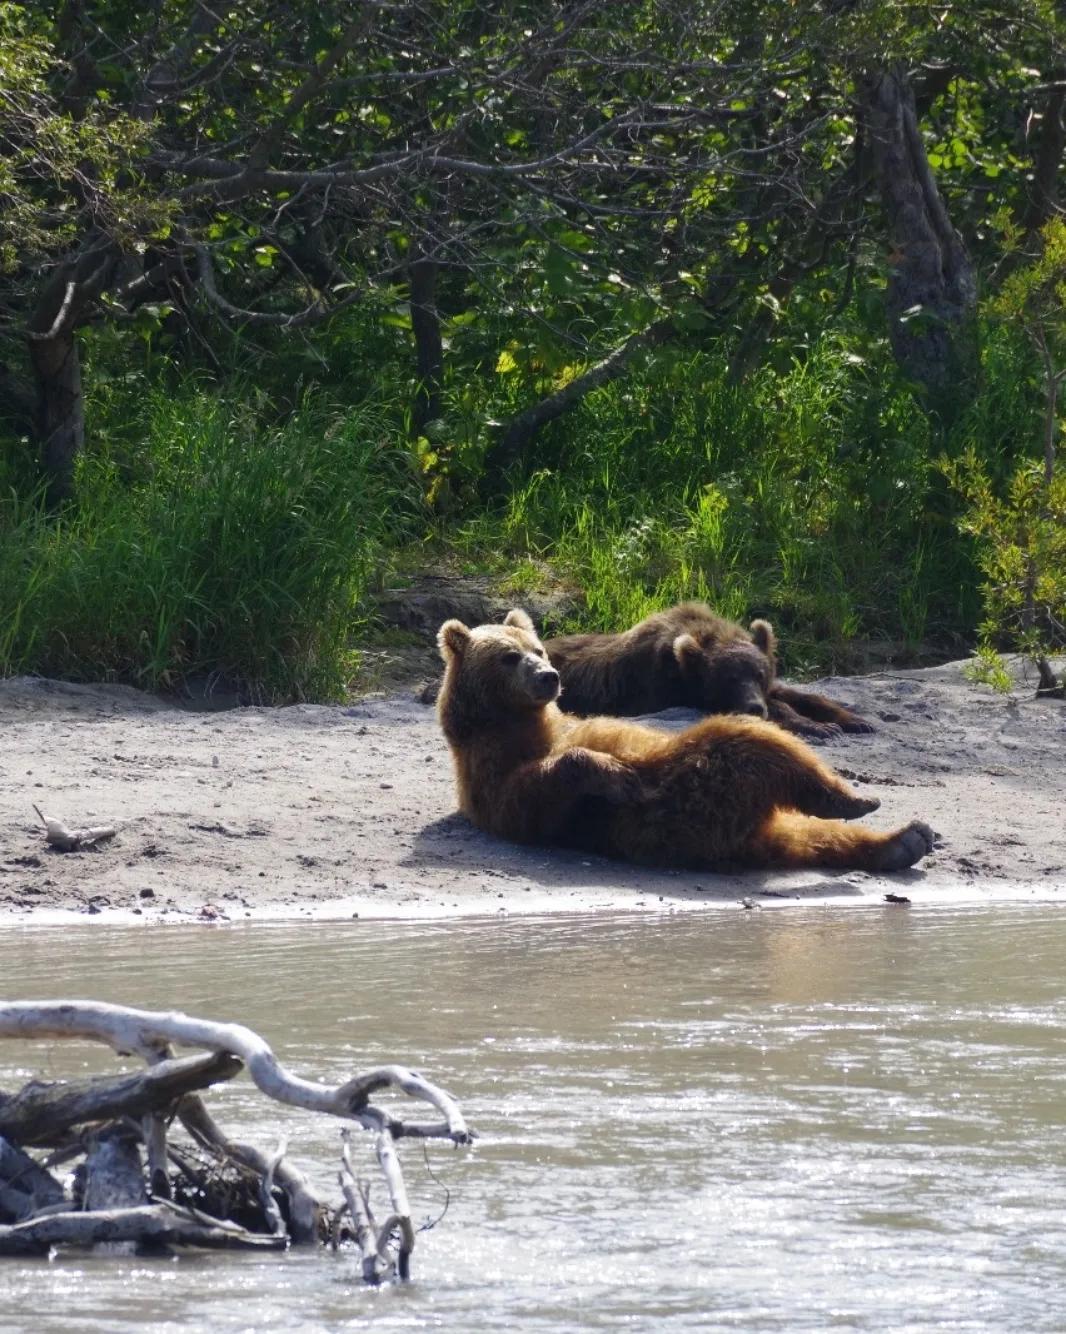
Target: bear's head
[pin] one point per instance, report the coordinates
(495, 669)
(734, 676)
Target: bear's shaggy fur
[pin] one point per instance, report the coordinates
(727, 789)
(688, 656)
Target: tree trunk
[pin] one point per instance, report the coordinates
(429, 347)
(60, 416)
(521, 429)
(1043, 201)
(931, 297)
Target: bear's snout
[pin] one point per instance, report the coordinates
(754, 705)
(546, 683)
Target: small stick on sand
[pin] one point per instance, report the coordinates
(58, 836)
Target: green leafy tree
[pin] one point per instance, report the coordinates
(1022, 532)
(550, 189)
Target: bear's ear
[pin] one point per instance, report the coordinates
(520, 620)
(452, 639)
(762, 632)
(685, 647)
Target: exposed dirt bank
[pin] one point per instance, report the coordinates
(340, 811)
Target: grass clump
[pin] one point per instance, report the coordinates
(229, 543)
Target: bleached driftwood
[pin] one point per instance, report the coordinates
(161, 1223)
(149, 1034)
(373, 1239)
(358, 1205)
(271, 1212)
(154, 1133)
(52, 1114)
(57, 835)
(114, 1173)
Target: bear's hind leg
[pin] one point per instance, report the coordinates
(791, 840)
(791, 775)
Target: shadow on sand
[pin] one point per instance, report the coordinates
(454, 843)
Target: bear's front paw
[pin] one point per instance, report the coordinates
(593, 773)
(816, 733)
(617, 781)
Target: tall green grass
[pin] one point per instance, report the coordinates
(810, 492)
(224, 541)
(239, 526)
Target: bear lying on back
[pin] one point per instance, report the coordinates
(690, 657)
(727, 789)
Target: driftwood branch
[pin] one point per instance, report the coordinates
(149, 1033)
(306, 1210)
(400, 1218)
(154, 1132)
(374, 1240)
(57, 835)
(266, 1191)
(162, 1223)
(355, 1197)
(113, 1181)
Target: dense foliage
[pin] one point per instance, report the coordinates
(670, 299)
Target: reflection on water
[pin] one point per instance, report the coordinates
(791, 1120)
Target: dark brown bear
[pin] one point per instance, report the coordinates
(725, 790)
(690, 657)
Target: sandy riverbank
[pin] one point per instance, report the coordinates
(322, 811)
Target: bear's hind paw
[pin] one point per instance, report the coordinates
(909, 845)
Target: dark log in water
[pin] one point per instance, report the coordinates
(43, 1113)
(25, 1186)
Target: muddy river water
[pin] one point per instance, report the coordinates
(804, 1119)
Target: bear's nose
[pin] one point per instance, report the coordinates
(755, 707)
(547, 681)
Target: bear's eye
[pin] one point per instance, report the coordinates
(511, 657)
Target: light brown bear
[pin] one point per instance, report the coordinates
(690, 656)
(726, 790)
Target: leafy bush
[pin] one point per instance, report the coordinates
(1021, 527)
(1021, 552)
